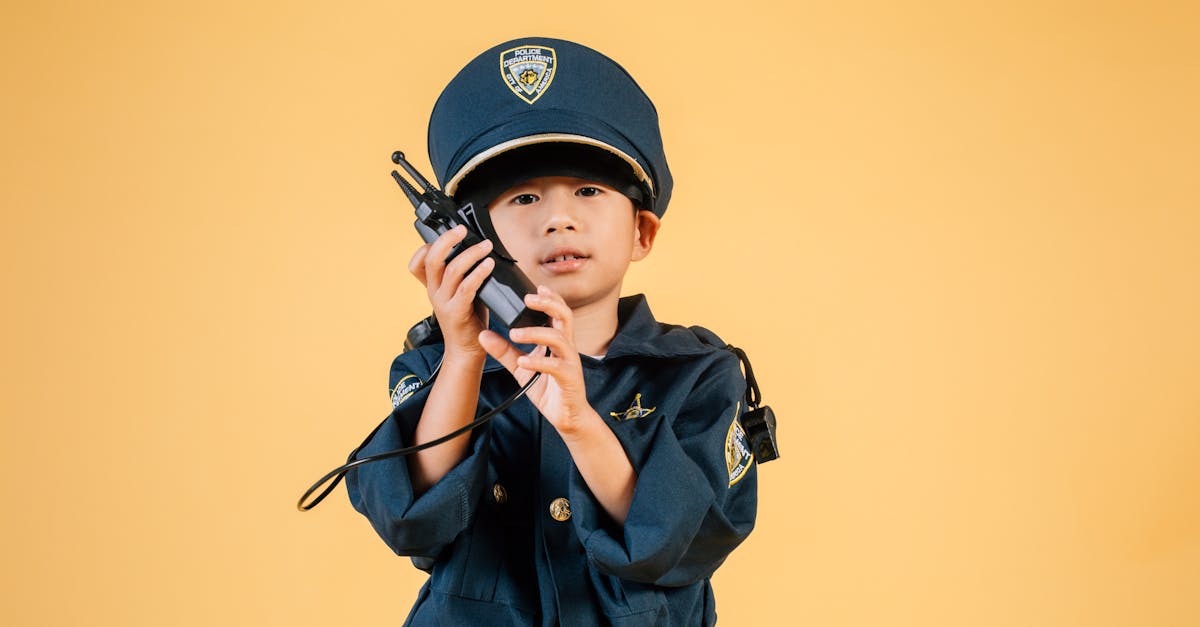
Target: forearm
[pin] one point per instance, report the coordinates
(605, 467)
(451, 404)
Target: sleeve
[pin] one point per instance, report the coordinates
(696, 494)
(382, 490)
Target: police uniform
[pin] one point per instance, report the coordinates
(512, 535)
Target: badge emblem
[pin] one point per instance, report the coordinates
(405, 387)
(635, 410)
(738, 456)
(528, 71)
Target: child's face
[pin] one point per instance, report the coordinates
(572, 235)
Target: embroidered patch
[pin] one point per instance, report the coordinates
(405, 387)
(528, 70)
(635, 410)
(737, 450)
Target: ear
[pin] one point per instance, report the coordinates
(645, 228)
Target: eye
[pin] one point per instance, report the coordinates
(524, 199)
(588, 191)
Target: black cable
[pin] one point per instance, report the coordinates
(753, 395)
(337, 473)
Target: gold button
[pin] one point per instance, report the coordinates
(560, 509)
(500, 494)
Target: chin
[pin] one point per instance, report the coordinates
(581, 298)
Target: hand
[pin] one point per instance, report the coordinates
(559, 394)
(451, 288)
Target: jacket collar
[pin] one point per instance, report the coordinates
(638, 335)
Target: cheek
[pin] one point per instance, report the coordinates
(516, 242)
(505, 229)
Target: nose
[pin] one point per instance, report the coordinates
(560, 212)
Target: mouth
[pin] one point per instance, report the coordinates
(564, 260)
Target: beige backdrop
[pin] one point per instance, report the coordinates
(960, 244)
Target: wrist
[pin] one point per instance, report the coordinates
(582, 428)
(463, 358)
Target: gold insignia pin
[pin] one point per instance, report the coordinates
(635, 410)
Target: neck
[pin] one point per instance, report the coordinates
(596, 325)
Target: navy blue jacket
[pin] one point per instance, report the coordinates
(498, 553)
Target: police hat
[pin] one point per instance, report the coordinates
(538, 90)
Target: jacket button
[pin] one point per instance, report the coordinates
(500, 494)
(560, 509)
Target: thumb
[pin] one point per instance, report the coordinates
(499, 348)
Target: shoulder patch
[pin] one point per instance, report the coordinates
(405, 387)
(738, 456)
(528, 70)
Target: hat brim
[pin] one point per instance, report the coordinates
(546, 127)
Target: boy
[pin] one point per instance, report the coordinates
(613, 493)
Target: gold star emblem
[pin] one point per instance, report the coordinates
(635, 410)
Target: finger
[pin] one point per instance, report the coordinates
(553, 305)
(544, 336)
(461, 265)
(435, 259)
(416, 265)
(538, 362)
(469, 286)
(500, 349)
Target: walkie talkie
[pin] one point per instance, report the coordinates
(503, 292)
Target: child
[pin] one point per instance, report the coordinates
(613, 493)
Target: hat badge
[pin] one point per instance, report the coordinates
(528, 71)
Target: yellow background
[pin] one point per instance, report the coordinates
(959, 241)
